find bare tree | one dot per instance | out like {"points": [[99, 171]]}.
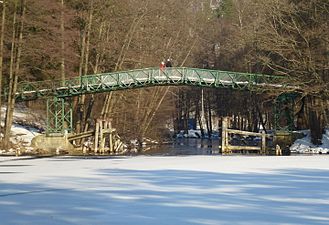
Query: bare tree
{"points": [[14, 69], [3, 20], [62, 42]]}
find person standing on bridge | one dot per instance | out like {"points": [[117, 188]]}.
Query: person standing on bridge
{"points": [[168, 63], [162, 66]]}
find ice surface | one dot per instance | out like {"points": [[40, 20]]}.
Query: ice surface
{"points": [[165, 190]]}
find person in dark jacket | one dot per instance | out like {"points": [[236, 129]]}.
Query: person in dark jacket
{"points": [[168, 63]]}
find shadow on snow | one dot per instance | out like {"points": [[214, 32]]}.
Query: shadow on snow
{"points": [[170, 197]]}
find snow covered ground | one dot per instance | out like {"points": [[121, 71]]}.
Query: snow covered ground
{"points": [[25, 127], [209, 190], [22, 129], [304, 145]]}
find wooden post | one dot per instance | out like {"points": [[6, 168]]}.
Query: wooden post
{"points": [[84, 149], [110, 136], [228, 150], [119, 145], [111, 142], [101, 135], [224, 136], [96, 136], [105, 128], [263, 149], [278, 150]]}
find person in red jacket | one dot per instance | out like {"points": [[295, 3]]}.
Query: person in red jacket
{"points": [[162, 66]]}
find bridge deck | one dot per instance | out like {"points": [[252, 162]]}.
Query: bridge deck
{"points": [[106, 82]]}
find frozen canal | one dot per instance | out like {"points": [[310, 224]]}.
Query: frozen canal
{"points": [[175, 190]]}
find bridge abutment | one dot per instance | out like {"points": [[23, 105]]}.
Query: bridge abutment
{"points": [[52, 144]]}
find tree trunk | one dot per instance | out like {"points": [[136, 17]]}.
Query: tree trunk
{"points": [[62, 44], [1, 54], [79, 111], [83, 68], [14, 74], [316, 120], [209, 117], [301, 115], [260, 116], [7, 127]]}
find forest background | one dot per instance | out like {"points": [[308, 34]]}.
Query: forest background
{"points": [[58, 39]]}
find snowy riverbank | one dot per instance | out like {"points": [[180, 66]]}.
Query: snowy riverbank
{"points": [[304, 145], [165, 190], [28, 124]]}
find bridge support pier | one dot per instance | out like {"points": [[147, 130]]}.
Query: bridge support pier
{"points": [[59, 117], [284, 112]]}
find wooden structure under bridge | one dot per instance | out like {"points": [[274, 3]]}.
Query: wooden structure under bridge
{"points": [[106, 140], [229, 149]]}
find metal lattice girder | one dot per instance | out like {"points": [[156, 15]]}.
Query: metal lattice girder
{"points": [[284, 112], [148, 77], [59, 116]]}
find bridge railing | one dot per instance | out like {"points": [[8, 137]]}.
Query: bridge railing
{"points": [[143, 77]]}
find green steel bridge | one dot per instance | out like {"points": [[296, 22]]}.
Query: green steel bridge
{"points": [[59, 112], [106, 82]]}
